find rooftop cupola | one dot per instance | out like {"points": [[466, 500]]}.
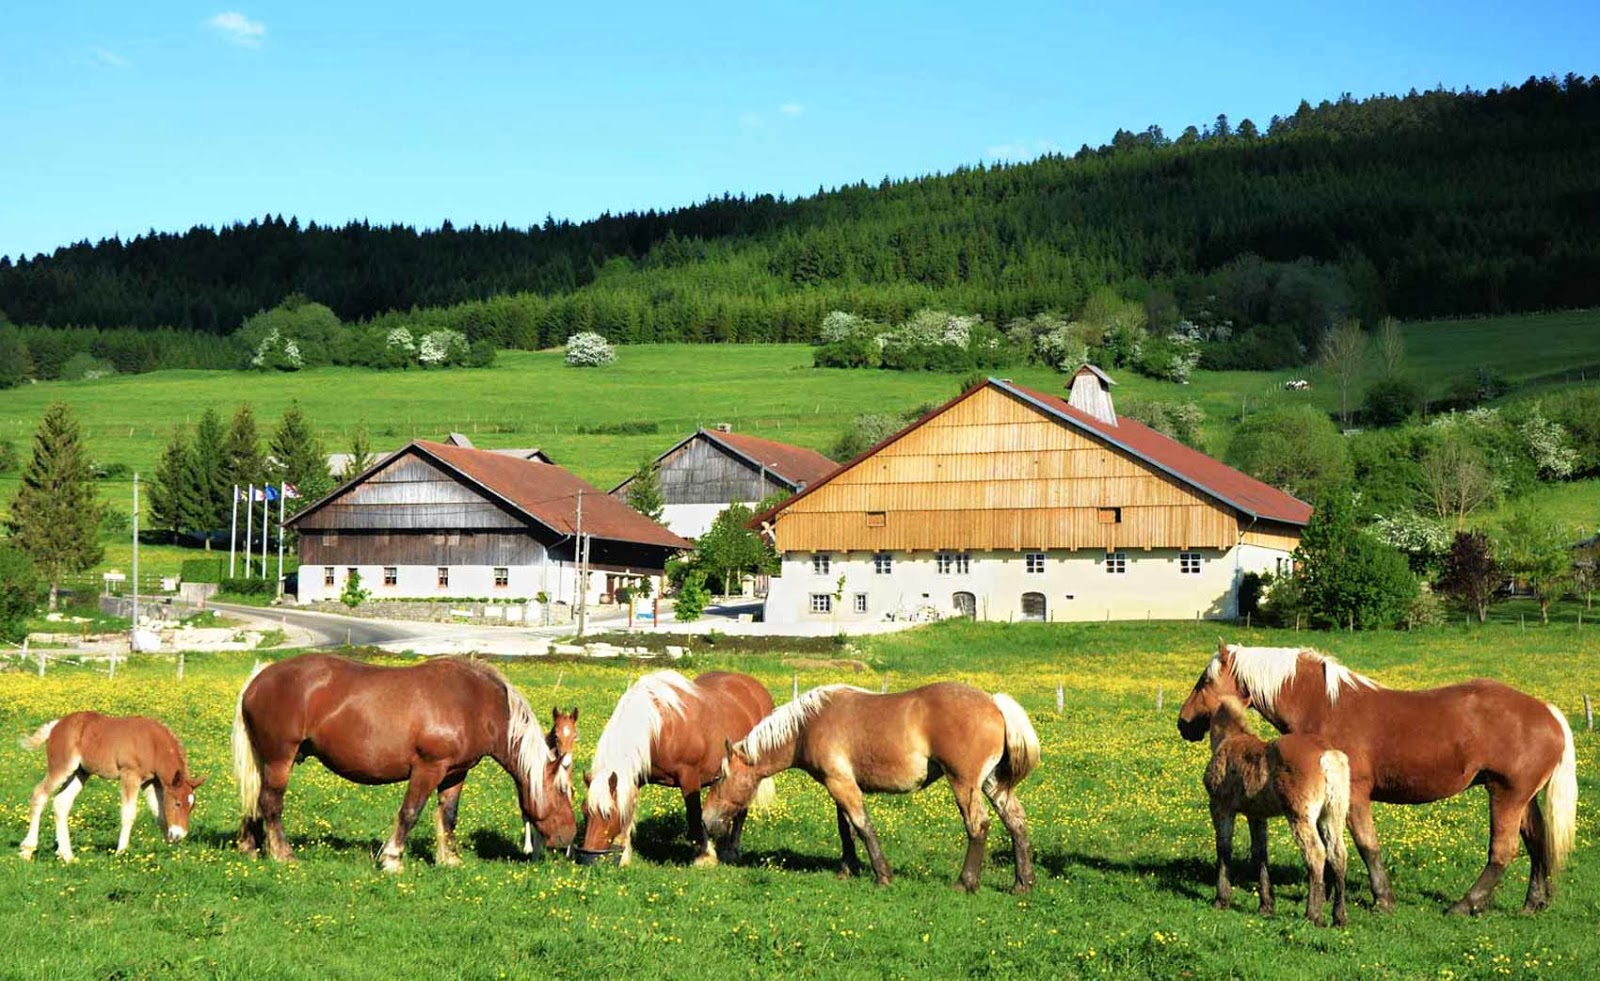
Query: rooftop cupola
{"points": [[1090, 392]]}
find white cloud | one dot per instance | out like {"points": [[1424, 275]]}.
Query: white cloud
{"points": [[108, 58], [1021, 150], [238, 29], [791, 109]]}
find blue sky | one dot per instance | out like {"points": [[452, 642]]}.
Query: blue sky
{"points": [[119, 117]]}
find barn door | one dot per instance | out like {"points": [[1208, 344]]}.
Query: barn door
{"points": [[965, 604], [1033, 606]]}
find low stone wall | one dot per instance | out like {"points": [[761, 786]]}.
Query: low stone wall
{"points": [[503, 614]]}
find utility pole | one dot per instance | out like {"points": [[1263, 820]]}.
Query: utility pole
{"points": [[249, 529], [133, 633], [281, 496], [233, 530], [266, 505], [582, 584]]}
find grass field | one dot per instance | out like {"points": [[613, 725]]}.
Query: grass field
{"points": [[1117, 814]]}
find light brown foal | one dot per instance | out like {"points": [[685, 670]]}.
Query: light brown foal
{"points": [[138, 753], [1298, 777]]}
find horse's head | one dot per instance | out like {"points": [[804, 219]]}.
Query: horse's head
{"points": [[601, 825], [1216, 682], [733, 793], [554, 821], [177, 800], [562, 738]]}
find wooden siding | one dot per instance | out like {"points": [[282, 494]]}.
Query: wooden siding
{"points": [[412, 494], [993, 473], [701, 472], [418, 548], [1270, 535]]}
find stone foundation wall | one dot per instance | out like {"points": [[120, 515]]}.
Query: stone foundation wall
{"points": [[505, 614]]}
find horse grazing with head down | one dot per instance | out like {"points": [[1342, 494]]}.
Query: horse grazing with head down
{"points": [[138, 753], [426, 725], [1300, 777], [670, 731], [1413, 747], [853, 741]]}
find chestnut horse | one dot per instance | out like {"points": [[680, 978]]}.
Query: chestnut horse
{"points": [[1300, 777], [136, 752], [1413, 747], [669, 731], [427, 725], [853, 741]]}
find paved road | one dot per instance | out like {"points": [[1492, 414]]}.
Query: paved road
{"points": [[330, 629]]}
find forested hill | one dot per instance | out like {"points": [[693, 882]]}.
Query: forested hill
{"points": [[1436, 203]]}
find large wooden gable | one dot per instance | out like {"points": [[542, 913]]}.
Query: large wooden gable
{"points": [[992, 471], [408, 492]]}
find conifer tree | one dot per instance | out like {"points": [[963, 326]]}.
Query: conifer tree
{"points": [[211, 503], [361, 456], [171, 488], [298, 459], [246, 465], [55, 517], [644, 492]]}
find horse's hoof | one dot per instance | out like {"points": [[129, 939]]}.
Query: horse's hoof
{"points": [[1221, 903], [448, 861], [704, 861], [882, 880], [1022, 888], [845, 872], [1340, 918], [1265, 910], [1384, 904], [67, 857], [26, 854], [1462, 908], [962, 885]]}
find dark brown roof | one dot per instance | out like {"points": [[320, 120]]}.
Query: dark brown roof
{"points": [[1211, 477]]}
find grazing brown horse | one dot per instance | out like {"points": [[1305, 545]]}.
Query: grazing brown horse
{"points": [[136, 752], [1412, 747], [1300, 777], [670, 731], [562, 739], [853, 741], [426, 725]]}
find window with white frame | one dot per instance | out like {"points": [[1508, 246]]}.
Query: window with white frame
{"points": [[327, 575], [502, 577], [1189, 563], [821, 602], [861, 602], [444, 576], [1116, 563], [821, 563], [1035, 563], [391, 575], [952, 563], [882, 563]]}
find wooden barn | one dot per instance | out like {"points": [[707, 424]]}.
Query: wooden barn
{"points": [[436, 520], [1013, 504], [705, 472]]}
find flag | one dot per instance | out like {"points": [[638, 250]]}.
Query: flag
{"points": [[290, 491]]}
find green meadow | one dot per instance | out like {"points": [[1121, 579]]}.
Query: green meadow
{"points": [[1117, 815]]}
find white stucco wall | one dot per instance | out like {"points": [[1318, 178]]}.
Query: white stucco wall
{"points": [[693, 520], [1076, 585], [557, 579]]}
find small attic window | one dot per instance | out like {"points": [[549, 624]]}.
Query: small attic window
{"points": [[1109, 516], [877, 519]]}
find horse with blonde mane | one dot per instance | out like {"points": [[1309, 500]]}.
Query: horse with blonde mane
{"points": [[669, 731], [1300, 777], [1414, 747], [853, 741], [426, 725]]}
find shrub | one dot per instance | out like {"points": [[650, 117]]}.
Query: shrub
{"points": [[248, 586], [84, 366], [692, 597], [353, 595], [1347, 577], [20, 592], [1471, 575], [589, 350], [1178, 420], [9, 460], [1252, 585], [1390, 401], [202, 570], [636, 427], [1296, 449]]}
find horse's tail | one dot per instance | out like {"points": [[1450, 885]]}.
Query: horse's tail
{"points": [[1022, 743], [1335, 805], [246, 764], [1560, 809], [40, 735]]}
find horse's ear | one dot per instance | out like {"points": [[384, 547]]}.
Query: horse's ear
{"points": [[613, 783], [727, 748], [1222, 645], [574, 714], [588, 778], [197, 781]]}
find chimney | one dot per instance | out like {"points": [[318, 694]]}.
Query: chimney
{"points": [[1090, 393], [724, 427]]}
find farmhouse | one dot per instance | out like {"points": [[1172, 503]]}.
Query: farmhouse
{"points": [[1013, 504], [338, 463], [705, 472], [435, 521]]}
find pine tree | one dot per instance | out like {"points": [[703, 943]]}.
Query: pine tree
{"points": [[55, 517], [644, 491], [246, 465], [361, 456], [211, 503], [171, 488], [297, 457]]}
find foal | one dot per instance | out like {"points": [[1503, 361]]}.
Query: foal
{"points": [[137, 752], [1300, 777]]}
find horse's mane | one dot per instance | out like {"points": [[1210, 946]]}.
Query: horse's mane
{"points": [[522, 729], [1263, 671], [623, 750], [786, 722]]}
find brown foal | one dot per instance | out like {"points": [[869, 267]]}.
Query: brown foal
{"points": [[1412, 747], [138, 753]]}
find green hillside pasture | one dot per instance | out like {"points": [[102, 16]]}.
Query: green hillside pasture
{"points": [[1118, 819]]}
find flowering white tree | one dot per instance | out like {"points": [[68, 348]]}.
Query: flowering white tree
{"points": [[1549, 444], [441, 347], [399, 339], [589, 350]]}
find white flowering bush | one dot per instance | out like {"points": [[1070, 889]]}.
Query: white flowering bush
{"points": [[839, 326], [1420, 537], [1549, 444], [589, 350], [441, 347], [399, 340], [1063, 348], [276, 351]]}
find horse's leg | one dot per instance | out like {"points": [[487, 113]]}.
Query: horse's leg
{"points": [[705, 849], [974, 813], [1011, 814], [1223, 819], [1533, 839], [1366, 836], [733, 846], [1309, 841], [847, 794], [55, 779], [1258, 858], [63, 806], [274, 784], [849, 864], [1506, 811], [152, 799], [130, 809], [1332, 835], [423, 781], [444, 822]]}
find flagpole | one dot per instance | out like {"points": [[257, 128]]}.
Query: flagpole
{"points": [[266, 503], [249, 528], [233, 530], [281, 495]]}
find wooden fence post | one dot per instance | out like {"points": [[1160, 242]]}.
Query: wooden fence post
{"points": [[180, 667], [794, 686], [1061, 698], [1588, 713], [1161, 696]]}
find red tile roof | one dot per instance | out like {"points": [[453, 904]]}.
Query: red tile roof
{"points": [[794, 464], [549, 494]]}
